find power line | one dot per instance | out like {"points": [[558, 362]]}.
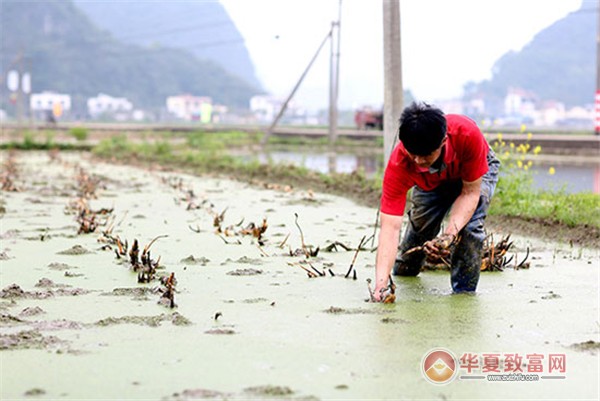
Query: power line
{"points": [[154, 34], [203, 45], [142, 51]]}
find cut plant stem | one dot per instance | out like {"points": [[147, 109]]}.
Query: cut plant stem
{"points": [[371, 293], [526, 256], [262, 251], [238, 242], [310, 273], [375, 227], [355, 255], [318, 272], [196, 230], [147, 247], [284, 241], [306, 252]]}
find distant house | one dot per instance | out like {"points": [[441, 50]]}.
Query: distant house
{"points": [[579, 117], [450, 106], [550, 113], [49, 105], [265, 108], [190, 108], [103, 104], [520, 102]]}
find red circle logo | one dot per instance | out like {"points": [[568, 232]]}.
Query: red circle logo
{"points": [[439, 366]]}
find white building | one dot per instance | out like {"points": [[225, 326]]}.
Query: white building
{"points": [[188, 107], [450, 106], [265, 108], [550, 113], [105, 104], [519, 102], [49, 101]]}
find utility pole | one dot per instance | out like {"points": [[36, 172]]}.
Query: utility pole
{"points": [[334, 76], [392, 60], [597, 98], [21, 91], [26, 88]]}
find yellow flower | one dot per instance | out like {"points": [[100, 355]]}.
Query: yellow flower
{"points": [[523, 127], [519, 163], [551, 171], [499, 136], [529, 136], [529, 163], [537, 150], [506, 153], [526, 167], [512, 145]]}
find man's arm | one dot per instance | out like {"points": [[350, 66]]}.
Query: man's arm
{"points": [[464, 207], [387, 250]]}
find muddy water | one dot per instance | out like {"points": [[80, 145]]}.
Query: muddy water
{"points": [[93, 332]]}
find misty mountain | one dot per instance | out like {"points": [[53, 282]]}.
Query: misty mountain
{"points": [[198, 26], [67, 53], [558, 64]]}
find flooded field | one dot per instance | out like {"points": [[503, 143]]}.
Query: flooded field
{"points": [[235, 315]]}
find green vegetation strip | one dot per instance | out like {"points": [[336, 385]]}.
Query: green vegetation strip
{"points": [[45, 140]]}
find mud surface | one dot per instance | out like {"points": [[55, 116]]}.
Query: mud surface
{"points": [[248, 322]]}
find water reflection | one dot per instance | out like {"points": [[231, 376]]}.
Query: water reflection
{"points": [[569, 176], [327, 162]]}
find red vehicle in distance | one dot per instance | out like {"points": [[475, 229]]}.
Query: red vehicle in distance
{"points": [[367, 118]]}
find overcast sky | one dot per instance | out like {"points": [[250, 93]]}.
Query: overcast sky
{"points": [[445, 43]]}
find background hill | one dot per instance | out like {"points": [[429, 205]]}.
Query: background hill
{"points": [[558, 64], [201, 27], [148, 50], [66, 52]]}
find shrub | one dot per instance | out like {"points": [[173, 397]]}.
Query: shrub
{"points": [[79, 133]]}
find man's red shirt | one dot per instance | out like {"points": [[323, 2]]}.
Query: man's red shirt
{"points": [[465, 156]]}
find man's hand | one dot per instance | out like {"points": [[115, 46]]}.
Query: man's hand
{"points": [[383, 292], [439, 247], [376, 295]]}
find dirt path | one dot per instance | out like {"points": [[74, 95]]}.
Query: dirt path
{"points": [[249, 322]]}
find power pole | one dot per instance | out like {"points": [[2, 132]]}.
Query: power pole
{"points": [[334, 76], [18, 91], [392, 61], [597, 98]]}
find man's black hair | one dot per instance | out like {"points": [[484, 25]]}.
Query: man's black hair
{"points": [[422, 128]]}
